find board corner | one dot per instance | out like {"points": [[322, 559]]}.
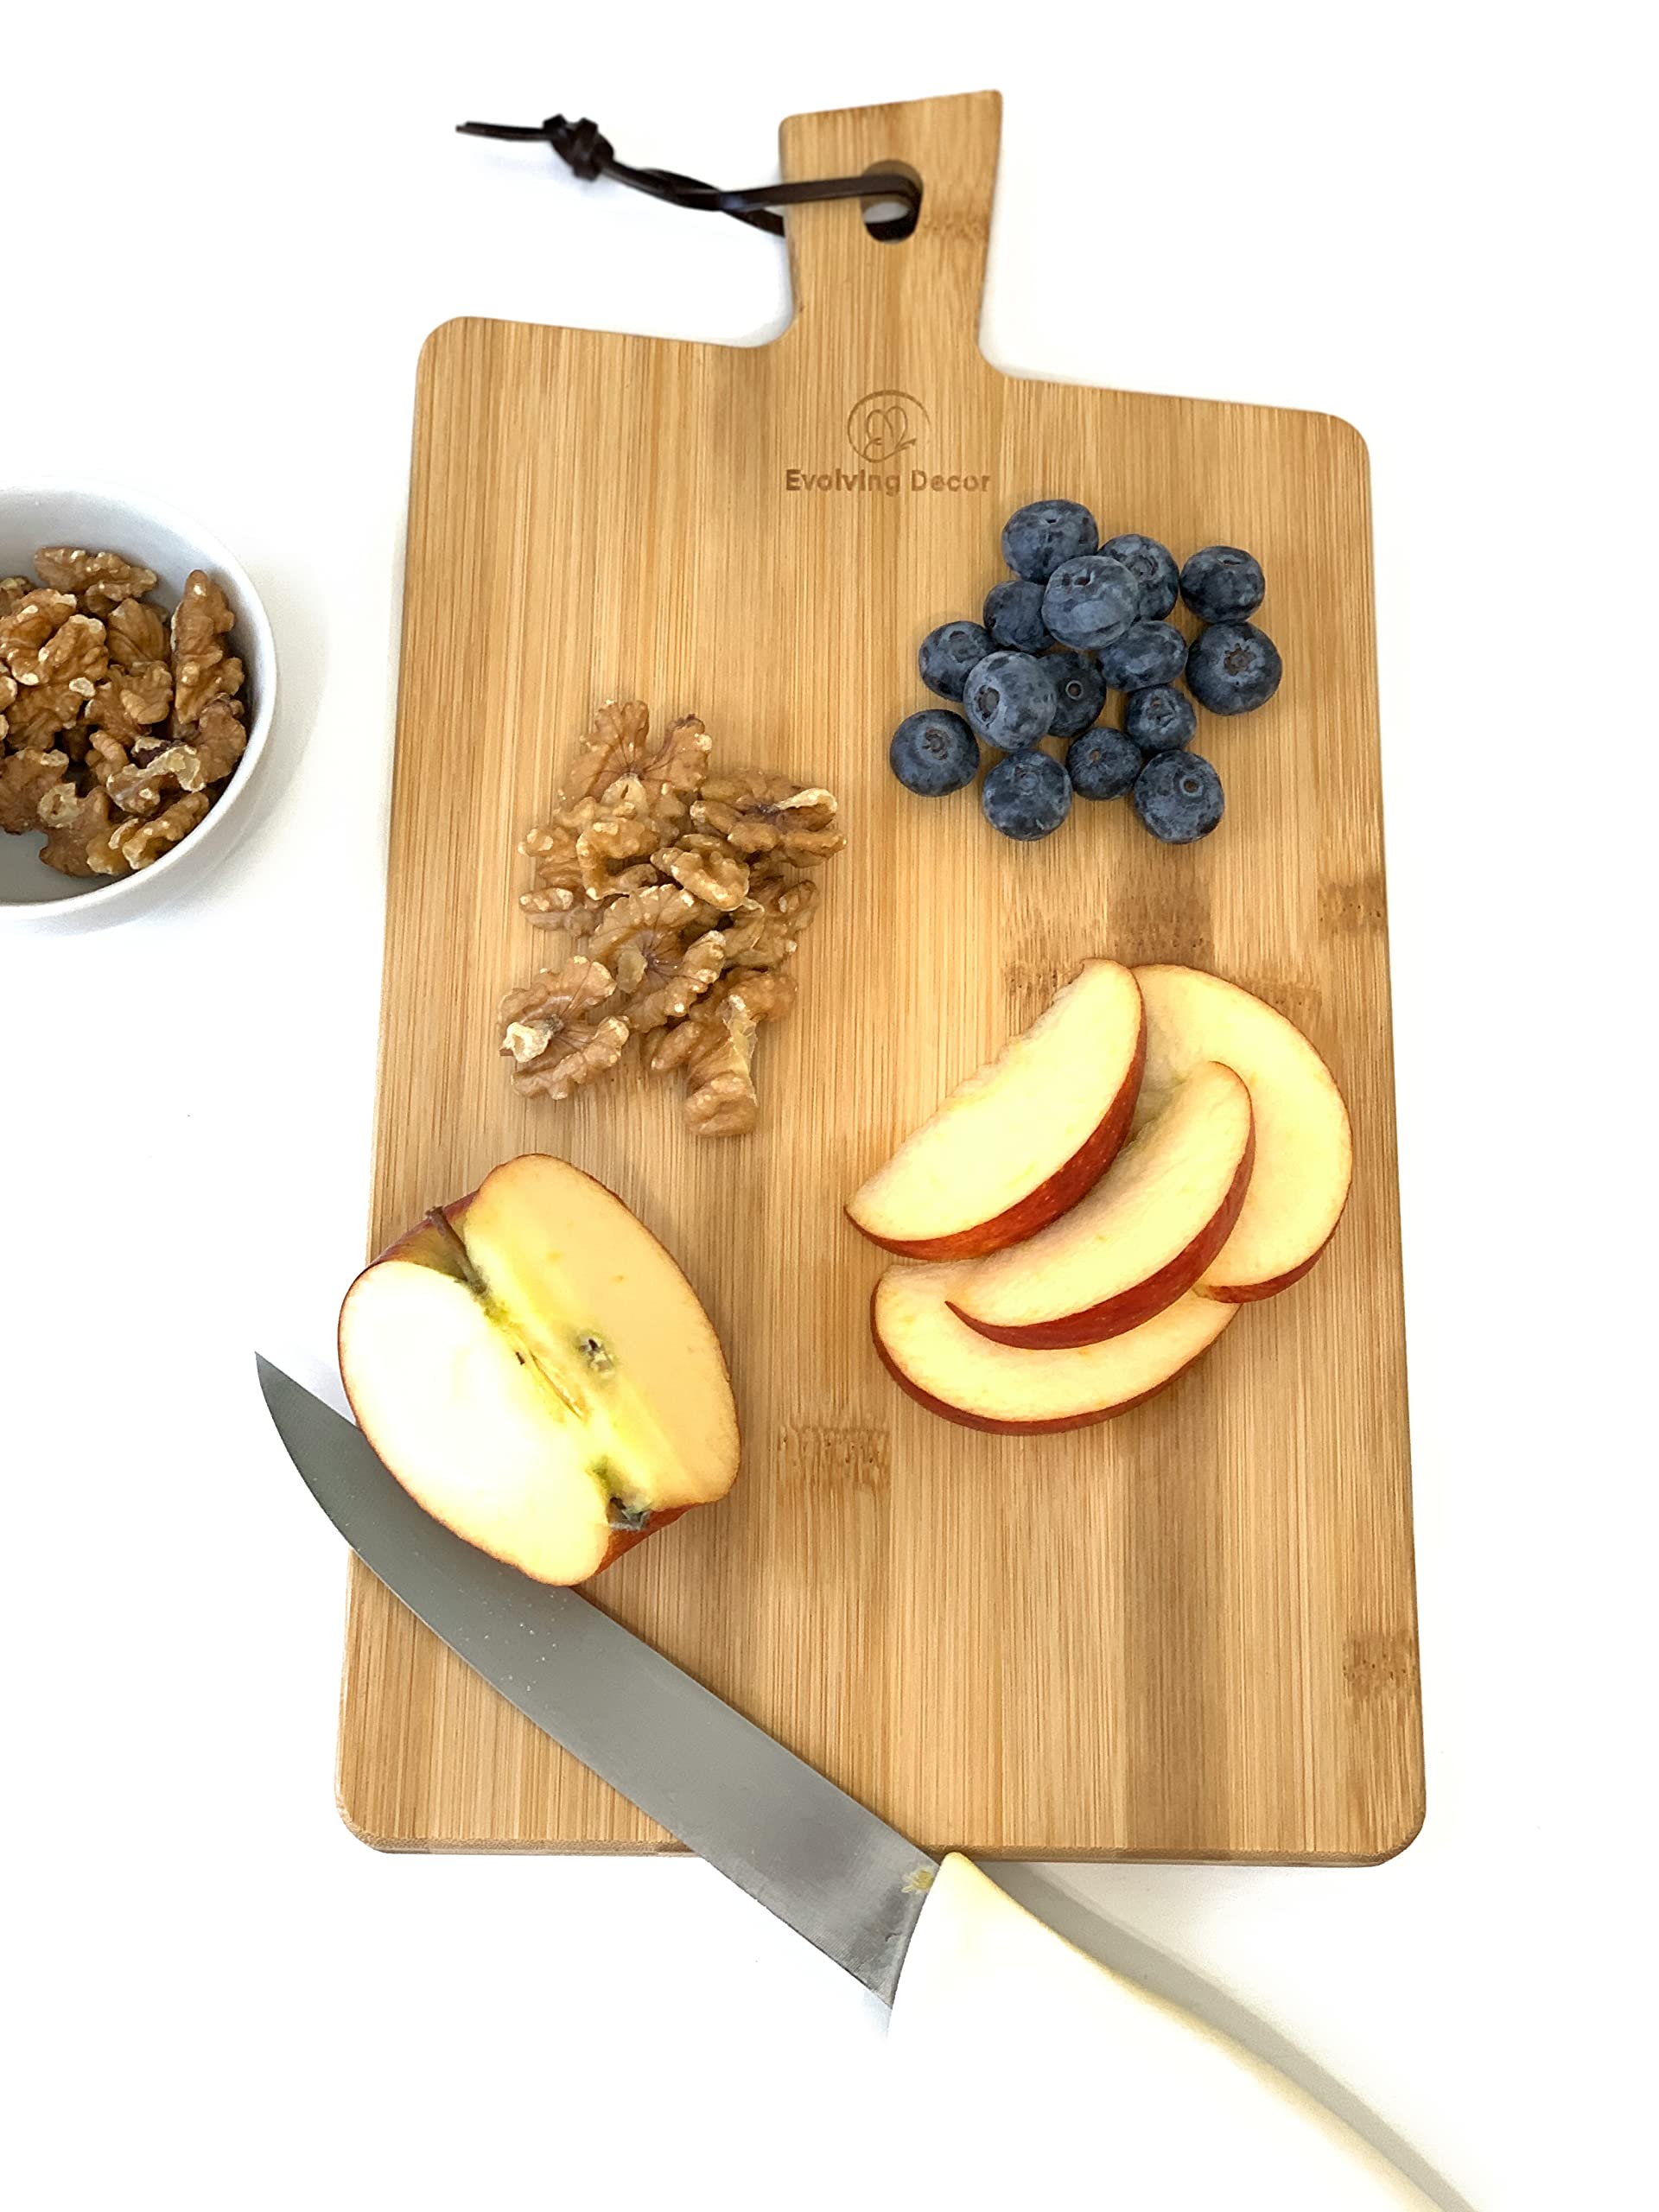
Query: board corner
{"points": [[1408, 1822], [440, 340]]}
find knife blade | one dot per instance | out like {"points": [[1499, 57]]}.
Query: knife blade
{"points": [[999, 2014], [814, 1856]]}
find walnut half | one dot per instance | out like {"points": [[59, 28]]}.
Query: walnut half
{"points": [[202, 670], [100, 581], [25, 778], [558, 1000], [77, 826], [713, 1050], [757, 813], [654, 944]]}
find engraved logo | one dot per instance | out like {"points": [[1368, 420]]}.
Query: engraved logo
{"points": [[883, 428], [883, 424]]}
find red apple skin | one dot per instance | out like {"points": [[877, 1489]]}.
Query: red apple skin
{"points": [[424, 1243], [947, 1412], [1114, 1316], [1050, 1199], [409, 1247], [626, 1538], [1250, 1293]]}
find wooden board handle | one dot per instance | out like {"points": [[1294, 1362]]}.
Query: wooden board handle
{"points": [[925, 288]]}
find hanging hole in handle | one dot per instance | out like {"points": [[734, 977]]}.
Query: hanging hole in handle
{"points": [[888, 220]]}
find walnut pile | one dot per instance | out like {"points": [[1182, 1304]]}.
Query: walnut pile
{"points": [[684, 891], [117, 727]]}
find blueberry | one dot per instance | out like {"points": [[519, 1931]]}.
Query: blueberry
{"points": [[1103, 764], [948, 653], [1026, 795], [1081, 689], [933, 753], [1147, 653], [1160, 720], [1152, 567], [1179, 797], [1009, 699], [1233, 668], [1091, 601], [1037, 540], [1221, 584], [1013, 615]]}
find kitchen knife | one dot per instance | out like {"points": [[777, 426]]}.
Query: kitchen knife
{"points": [[1026, 2039]]}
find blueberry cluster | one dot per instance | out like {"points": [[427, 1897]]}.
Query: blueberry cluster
{"points": [[1079, 619]]}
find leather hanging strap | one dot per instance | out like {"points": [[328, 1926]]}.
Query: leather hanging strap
{"points": [[586, 150]]}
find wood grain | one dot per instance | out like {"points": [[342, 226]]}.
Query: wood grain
{"points": [[1189, 1633]]}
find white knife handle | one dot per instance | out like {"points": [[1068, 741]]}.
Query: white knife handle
{"points": [[1013, 2055]]}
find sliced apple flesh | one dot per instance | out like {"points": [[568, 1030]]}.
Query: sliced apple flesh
{"points": [[1303, 1149], [1023, 1139], [953, 1371], [1140, 1238], [532, 1366]]}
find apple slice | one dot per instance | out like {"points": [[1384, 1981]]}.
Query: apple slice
{"points": [[1144, 1235], [953, 1371], [1023, 1139], [1304, 1150], [534, 1369]]}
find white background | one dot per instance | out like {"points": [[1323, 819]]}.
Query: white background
{"points": [[228, 231]]}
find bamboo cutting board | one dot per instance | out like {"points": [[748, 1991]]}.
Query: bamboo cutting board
{"points": [[1189, 1633]]}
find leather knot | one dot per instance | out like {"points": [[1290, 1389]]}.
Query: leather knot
{"points": [[582, 146]]}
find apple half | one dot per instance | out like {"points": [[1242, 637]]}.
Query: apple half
{"points": [[532, 1366], [1139, 1240], [953, 1371], [1304, 1148], [1023, 1139]]}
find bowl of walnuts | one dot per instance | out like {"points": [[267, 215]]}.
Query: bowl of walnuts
{"points": [[138, 677]]}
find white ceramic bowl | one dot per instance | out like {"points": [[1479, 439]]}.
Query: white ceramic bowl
{"points": [[173, 546]]}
